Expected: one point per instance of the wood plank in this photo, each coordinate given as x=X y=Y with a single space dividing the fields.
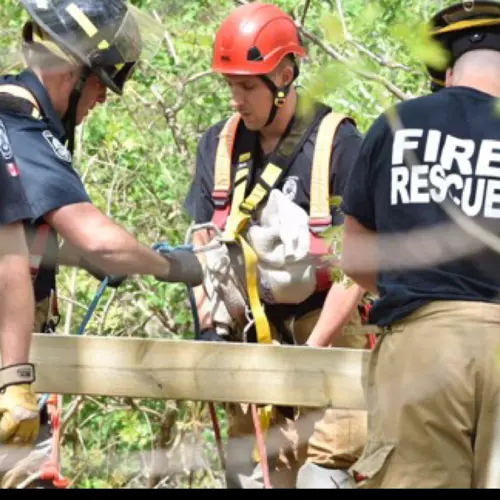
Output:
x=193 y=370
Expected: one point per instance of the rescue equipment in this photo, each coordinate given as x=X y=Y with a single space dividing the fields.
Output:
x=237 y=218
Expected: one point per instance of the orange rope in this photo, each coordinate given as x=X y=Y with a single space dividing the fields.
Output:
x=262 y=447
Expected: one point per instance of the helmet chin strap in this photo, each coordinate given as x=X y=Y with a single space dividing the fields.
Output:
x=279 y=96
x=69 y=118
x=279 y=93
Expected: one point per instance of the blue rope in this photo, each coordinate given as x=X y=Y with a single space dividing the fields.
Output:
x=86 y=319
x=163 y=248
x=93 y=306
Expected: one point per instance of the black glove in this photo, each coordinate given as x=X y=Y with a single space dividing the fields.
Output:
x=184 y=267
x=114 y=281
x=210 y=335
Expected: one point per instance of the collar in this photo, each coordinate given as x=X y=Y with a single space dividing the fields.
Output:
x=30 y=81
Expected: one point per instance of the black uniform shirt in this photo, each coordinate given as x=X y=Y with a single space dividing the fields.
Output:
x=295 y=184
x=45 y=166
x=14 y=206
x=455 y=137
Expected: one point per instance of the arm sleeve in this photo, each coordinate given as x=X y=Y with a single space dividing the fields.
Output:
x=198 y=202
x=358 y=200
x=48 y=178
x=14 y=206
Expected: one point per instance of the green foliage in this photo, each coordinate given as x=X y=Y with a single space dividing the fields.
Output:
x=137 y=161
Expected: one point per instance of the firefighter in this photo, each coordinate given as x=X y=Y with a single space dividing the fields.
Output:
x=270 y=153
x=424 y=188
x=75 y=51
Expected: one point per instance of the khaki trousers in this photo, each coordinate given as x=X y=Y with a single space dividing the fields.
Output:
x=433 y=395
x=332 y=438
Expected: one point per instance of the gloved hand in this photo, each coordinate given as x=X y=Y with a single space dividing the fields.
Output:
x=184 y=266
x=114 y=281
x=19 y=415
x=210 y=335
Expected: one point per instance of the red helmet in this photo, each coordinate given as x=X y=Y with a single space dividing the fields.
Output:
x=254 y=39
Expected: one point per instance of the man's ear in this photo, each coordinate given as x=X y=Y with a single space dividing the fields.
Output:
x=71 y=76
x=449 y=77
x=287 y=75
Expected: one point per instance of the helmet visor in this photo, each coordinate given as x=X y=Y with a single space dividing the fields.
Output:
x=107 y=34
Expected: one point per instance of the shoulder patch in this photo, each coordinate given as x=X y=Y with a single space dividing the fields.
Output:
x=59 y=148
x=5 y=147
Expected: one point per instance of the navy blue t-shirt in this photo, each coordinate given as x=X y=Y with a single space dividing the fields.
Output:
x=444 y=154
x=45 y=166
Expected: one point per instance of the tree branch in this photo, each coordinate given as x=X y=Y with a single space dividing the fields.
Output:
x=306 y=8
x=393 y=89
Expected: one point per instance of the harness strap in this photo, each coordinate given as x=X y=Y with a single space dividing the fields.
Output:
x=261 y=322
x=222 y=180
x=25 y=94
x=319 y=209
x=37 y=249
x=320 y=213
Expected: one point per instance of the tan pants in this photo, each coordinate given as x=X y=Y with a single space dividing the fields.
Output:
x=333 y=438
x=433 y=394
x=18 y=464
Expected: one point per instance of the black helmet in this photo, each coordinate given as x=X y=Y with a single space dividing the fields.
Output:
x=102 y=35
x=462 y=27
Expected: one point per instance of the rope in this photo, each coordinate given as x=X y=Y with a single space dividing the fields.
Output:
x=165 y=248
x=50 y=471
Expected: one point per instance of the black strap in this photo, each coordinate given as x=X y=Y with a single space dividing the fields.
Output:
x=69 y=119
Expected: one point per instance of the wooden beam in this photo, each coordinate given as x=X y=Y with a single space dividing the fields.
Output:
x=199 y=371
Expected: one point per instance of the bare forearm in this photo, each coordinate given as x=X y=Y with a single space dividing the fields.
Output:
x=339 y=306
x=368 y=281
x=360 y=260
x=69 y=256
x=120 y=253
x=17 y=307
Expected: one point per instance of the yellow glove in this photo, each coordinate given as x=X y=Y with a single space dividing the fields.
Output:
x=19 y=415
x=19 y=412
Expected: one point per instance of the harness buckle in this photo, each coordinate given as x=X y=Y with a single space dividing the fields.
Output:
x=318 y=225
x=246 y=208
x=220 y=198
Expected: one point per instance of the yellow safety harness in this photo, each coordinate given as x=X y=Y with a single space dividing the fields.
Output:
x=234 y=218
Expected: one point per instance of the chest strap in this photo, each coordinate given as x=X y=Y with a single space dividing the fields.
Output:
x=14 y=98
